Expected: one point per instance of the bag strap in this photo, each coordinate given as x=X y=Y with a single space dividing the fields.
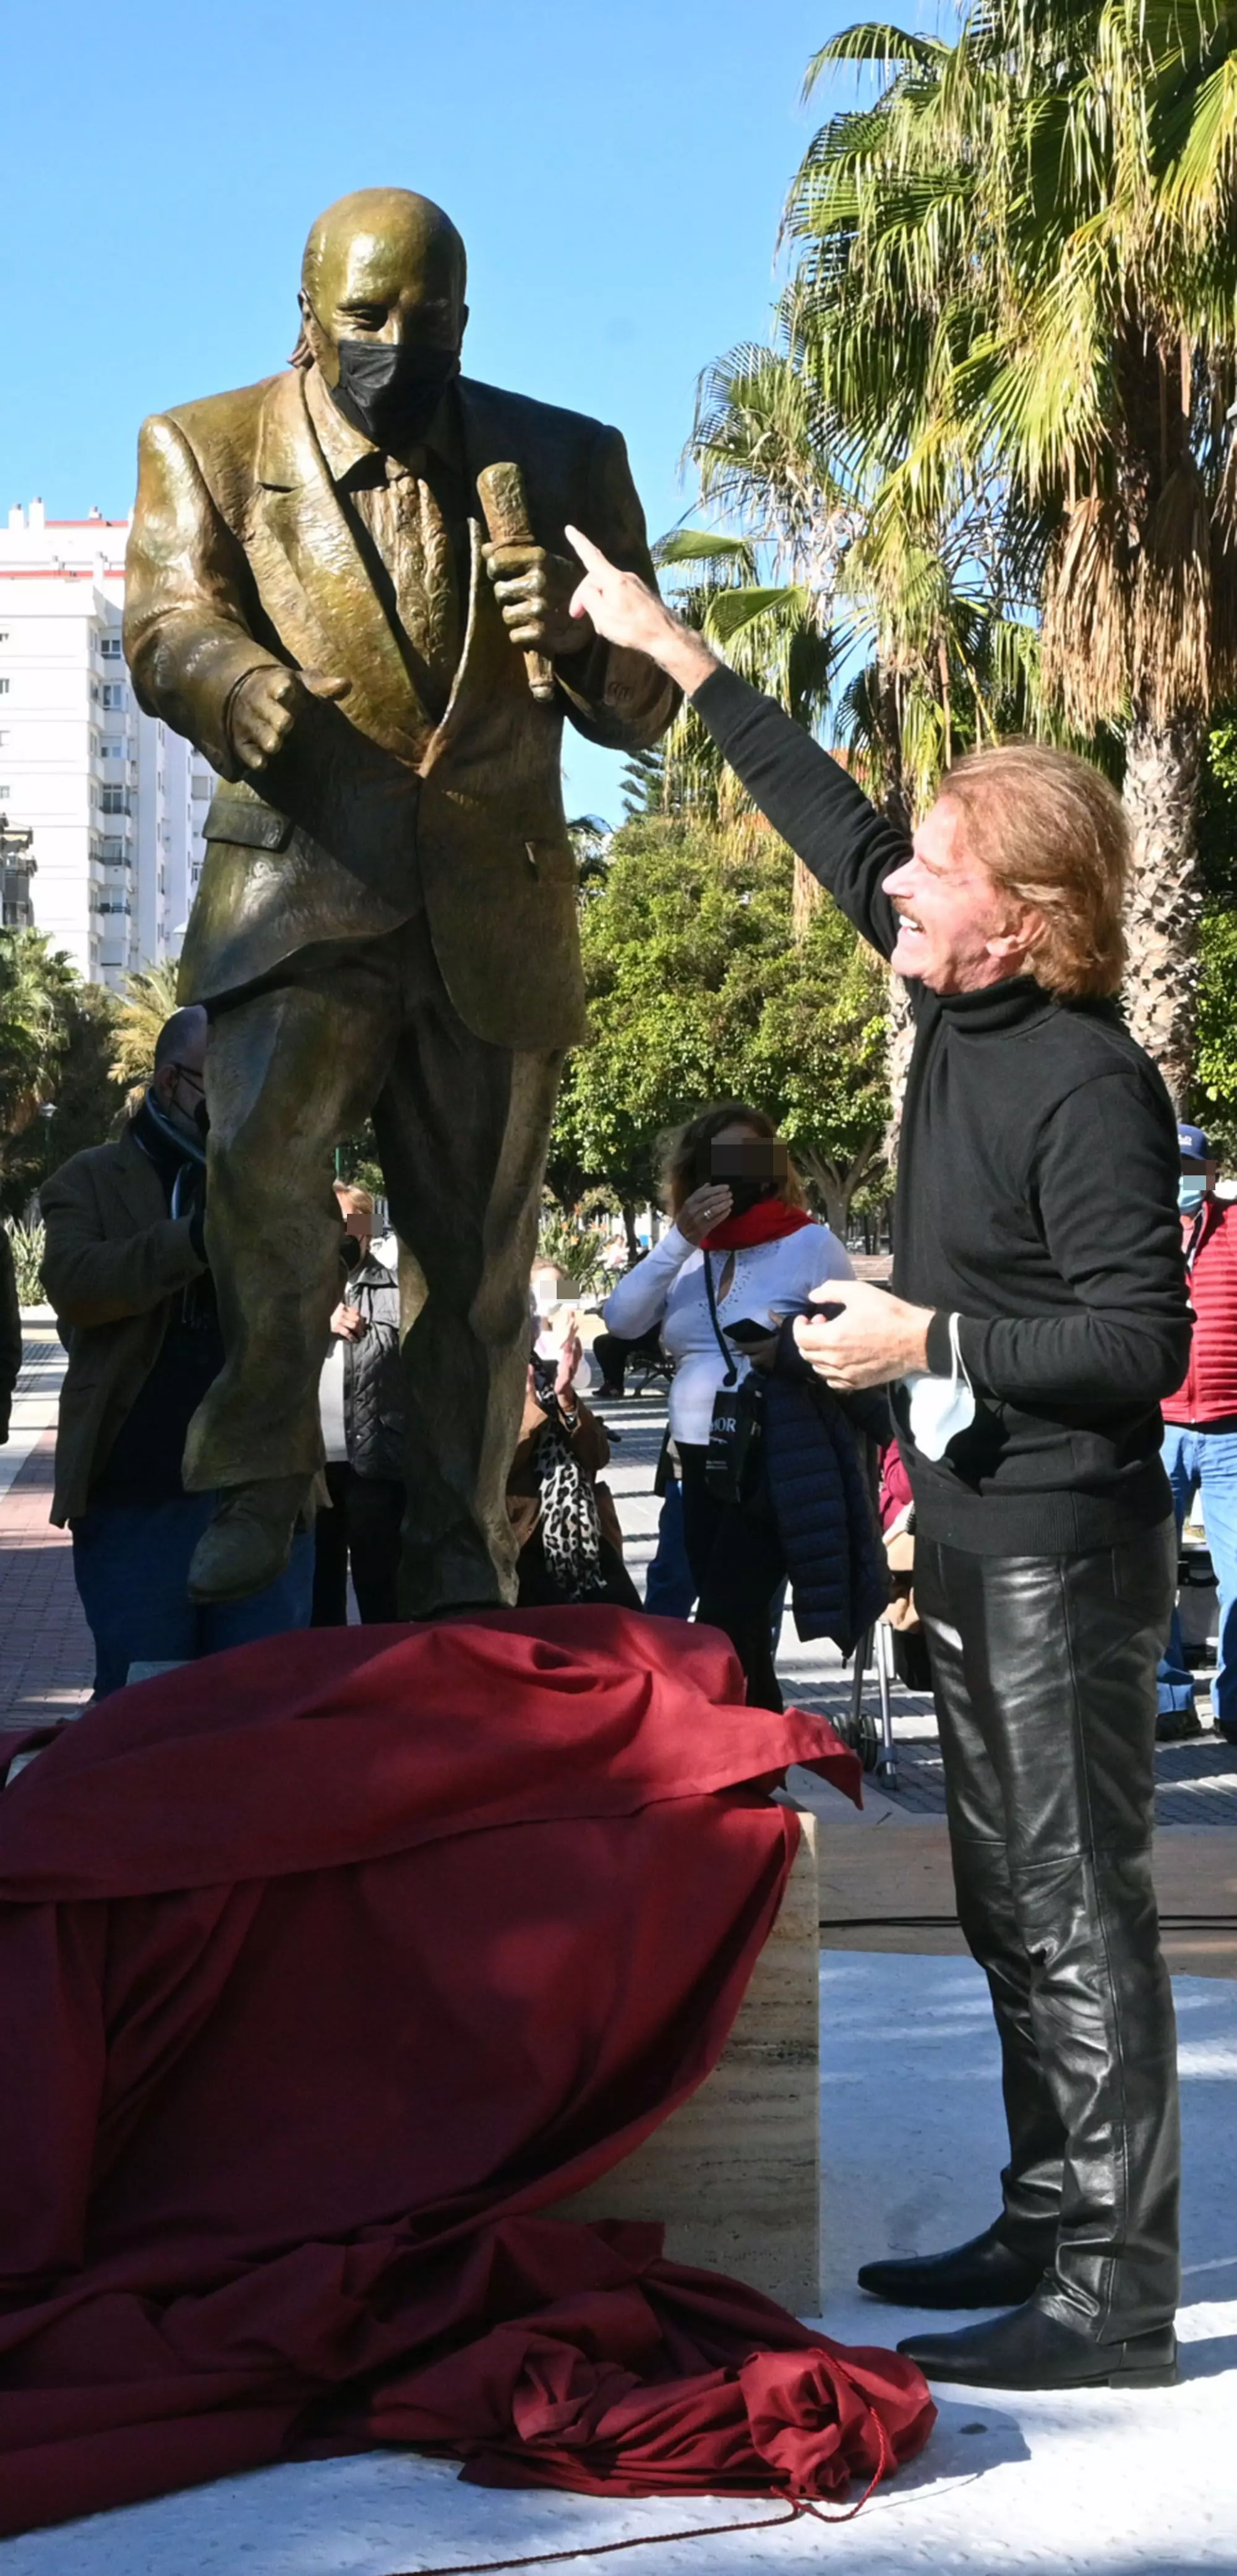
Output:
x=732 y=1366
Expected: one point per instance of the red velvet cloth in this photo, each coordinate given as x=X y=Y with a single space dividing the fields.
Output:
x=324 y=1968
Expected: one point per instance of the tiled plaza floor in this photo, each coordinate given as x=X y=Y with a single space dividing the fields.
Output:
x=46 y=1658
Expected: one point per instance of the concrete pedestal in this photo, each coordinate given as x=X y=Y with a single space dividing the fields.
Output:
x=735 y=2172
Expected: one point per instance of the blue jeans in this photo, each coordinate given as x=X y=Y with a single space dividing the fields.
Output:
x=1205 y=1462
x=669 y=1590
x=131 y=1567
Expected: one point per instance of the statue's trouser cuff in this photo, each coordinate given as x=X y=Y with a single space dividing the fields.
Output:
x=462 y=1129
x=1044 y=1676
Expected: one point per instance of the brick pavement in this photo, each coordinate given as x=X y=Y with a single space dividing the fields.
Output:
x=46 y=1657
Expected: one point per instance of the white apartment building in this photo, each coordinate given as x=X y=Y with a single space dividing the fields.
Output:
x=115 y=800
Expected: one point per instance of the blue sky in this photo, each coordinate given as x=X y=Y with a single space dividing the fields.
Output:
x=617 y=172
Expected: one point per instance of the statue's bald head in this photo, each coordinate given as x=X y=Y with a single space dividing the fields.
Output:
x=382 y=264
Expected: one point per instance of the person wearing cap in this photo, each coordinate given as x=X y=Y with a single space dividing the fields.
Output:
x=1200 y=1432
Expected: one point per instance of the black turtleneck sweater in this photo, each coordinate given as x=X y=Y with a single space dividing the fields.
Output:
x=1036 y=1200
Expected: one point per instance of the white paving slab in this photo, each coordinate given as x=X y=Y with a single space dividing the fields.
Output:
x=1115 y=2484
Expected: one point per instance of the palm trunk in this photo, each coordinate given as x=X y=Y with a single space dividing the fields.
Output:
x=899 y=1040
x=1165 y=899
x=807 y=895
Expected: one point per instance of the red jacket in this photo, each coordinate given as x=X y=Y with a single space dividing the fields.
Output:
x=1209 y=1393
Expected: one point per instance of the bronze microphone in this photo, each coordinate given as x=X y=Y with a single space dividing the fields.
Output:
x=505 y=503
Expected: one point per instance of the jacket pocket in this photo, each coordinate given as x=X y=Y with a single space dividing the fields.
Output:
x=242 y=818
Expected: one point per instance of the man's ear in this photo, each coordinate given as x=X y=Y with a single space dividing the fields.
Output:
x=1022 y=939
x=313 y=343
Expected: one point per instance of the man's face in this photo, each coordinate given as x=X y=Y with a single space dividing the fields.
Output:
x=180 y=1086
x=1191 y=1168
x=394 y=282
x=958 y=930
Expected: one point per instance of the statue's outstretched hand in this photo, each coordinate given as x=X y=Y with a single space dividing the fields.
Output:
x=265 y=707
x=623 y=609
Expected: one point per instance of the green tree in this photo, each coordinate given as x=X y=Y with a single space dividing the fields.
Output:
x=1017 y=275
x=36 y=984
x=699 y=989
x=56 y=1091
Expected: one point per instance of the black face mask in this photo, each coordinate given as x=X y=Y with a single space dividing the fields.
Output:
x=745 y=1195
x=391 y=389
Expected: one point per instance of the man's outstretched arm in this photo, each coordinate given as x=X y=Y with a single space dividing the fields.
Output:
x=809 y=798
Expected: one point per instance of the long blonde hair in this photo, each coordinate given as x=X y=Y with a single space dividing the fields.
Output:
x=1052 y=832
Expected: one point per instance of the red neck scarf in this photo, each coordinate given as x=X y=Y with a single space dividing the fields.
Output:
x=767 y=1222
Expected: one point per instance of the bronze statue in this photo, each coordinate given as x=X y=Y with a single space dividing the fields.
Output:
x=387 y=915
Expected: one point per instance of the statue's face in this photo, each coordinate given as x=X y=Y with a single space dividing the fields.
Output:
x=392 y=280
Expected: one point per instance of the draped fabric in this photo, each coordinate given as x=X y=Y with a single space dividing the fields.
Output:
x=326 y=1968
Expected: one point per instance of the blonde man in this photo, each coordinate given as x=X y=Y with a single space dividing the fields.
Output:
x=1039 y=1315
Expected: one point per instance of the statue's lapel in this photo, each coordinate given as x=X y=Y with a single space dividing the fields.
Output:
x=303 y=517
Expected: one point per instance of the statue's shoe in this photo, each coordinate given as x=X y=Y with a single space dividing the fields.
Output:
x=985 y=2273
x=1032 y=2348
x=249 y=1541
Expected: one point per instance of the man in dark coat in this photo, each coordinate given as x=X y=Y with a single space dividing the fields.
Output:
x=387 y=915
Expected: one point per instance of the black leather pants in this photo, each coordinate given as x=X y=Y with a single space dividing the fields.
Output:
x=1044 y=1674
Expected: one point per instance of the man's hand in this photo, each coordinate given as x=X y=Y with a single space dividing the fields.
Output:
x=622 y=608
x=265 y=706
x=348 y=1323
x=875 y=1338
x=534 y=590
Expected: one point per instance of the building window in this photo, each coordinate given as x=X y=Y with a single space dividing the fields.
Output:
x=4 y=635
x=115 y=800
x=4 y=688
x=110 y=648
x=113 y=747
x=113 y=693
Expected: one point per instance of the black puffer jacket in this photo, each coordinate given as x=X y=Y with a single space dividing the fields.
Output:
x=373 y=1395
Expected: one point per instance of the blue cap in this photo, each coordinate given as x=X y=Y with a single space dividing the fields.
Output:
x=1191 y=1141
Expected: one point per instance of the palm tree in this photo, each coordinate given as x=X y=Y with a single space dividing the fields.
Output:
x=1017 y=279
x=148 y=999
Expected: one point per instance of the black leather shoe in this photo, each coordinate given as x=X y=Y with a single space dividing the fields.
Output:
x=1033 y=2349
x=982 y=2274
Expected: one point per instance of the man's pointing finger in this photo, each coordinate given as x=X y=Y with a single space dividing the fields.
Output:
x=590 y=555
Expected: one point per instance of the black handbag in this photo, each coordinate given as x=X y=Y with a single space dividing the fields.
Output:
x=733 y=1458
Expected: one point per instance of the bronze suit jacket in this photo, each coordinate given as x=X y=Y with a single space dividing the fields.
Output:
x=241 y=555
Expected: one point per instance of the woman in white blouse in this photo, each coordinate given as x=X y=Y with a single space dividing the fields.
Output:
x=765 y=1256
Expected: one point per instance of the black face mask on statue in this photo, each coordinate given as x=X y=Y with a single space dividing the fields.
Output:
x=391 y=389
